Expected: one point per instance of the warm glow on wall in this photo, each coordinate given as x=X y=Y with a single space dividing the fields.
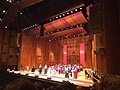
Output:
x=39 y=51
x=64 y=54
x=51 y=56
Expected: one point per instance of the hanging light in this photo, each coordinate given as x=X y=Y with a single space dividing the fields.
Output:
x=76 y=10
x=4 y=11
x=6 y=27
x=71 y=11
x=67 y=13
x=60 y=16
x=80 y=8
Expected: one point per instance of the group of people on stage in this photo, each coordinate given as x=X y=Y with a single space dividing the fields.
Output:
x=68 y=70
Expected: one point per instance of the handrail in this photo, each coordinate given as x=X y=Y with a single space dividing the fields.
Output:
x=94 y=77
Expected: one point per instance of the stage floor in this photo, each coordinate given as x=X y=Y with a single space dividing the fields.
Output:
x=80 y=80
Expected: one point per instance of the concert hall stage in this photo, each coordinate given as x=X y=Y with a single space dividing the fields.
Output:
x=57 y=78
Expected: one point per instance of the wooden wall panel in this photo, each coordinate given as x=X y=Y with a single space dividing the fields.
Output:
x=12 y=52
x=74 y=43
x=28 y=50
x=5 y=48
x=8 y=47
x=0 y=51
x=1 y=37
x=74 y=53
x=12 y=60
x=100 y=57
x=88 y=54
x=54 y=52
x=6 y=36
x=49 y=53
x=4 y=57
x=12 y=42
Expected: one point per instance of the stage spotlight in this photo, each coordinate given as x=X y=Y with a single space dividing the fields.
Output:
x=76 y=10
x=80 y=8
x=4 y=11
x=67 y=13
x=6 y=27
x=71 y=11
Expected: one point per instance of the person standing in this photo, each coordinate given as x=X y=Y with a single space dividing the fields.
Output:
x=66 y=72
x=45 y=69
x=21 y=67
x=40 y=69
x=95 y=76
x=33 y=69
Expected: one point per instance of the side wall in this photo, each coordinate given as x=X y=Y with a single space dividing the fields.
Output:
x=9 y=49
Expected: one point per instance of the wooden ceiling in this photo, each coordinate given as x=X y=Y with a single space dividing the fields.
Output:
x=24 y=14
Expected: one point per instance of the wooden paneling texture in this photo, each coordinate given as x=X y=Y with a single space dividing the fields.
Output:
x=111 y=29
x=28 y=50
x=8 y=50
x=88 y=54
x=36 y=51
x=1 y=41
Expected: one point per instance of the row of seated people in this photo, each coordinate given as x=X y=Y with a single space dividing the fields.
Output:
x=108 y=82
x=15 y=82
x=24 y=84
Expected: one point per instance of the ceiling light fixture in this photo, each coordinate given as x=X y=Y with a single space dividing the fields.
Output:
x=80 y=8
x=65 y=14
x=71 y=11
x=63 y=29
x=4 y=11
x=75 y=9
x=6 y=27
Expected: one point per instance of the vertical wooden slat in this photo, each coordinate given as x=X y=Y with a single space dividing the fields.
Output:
x=1 y=39
x=8 y=47
x=36 y=51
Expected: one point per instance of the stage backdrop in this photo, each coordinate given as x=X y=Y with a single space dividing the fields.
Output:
x=36 y=51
